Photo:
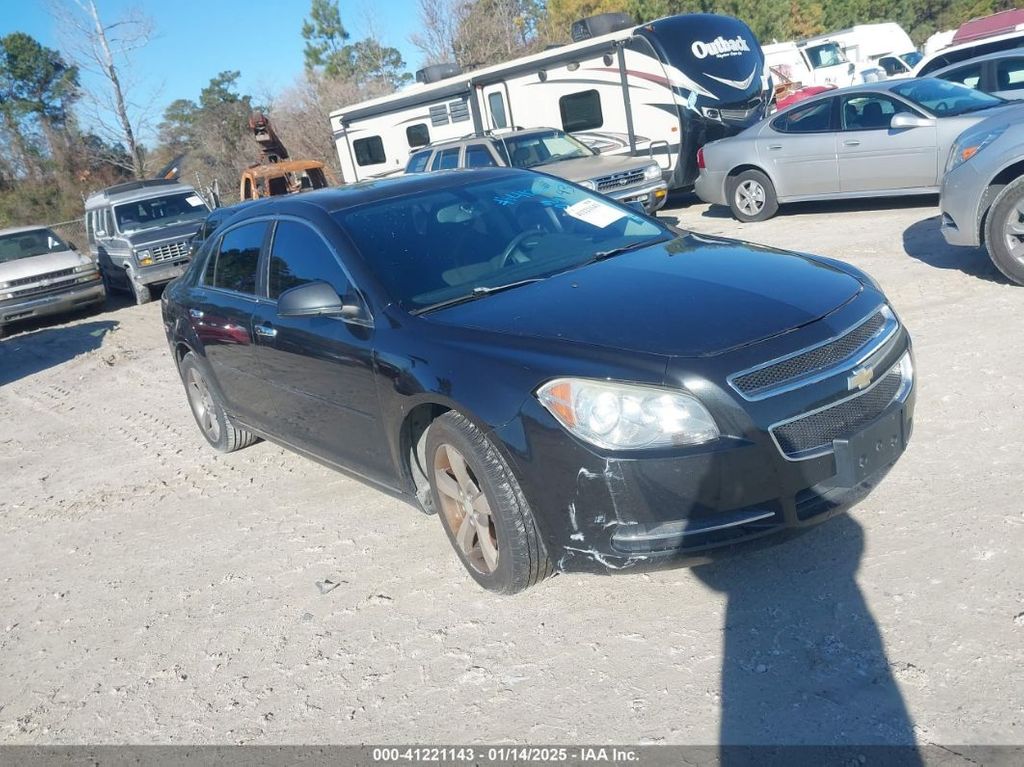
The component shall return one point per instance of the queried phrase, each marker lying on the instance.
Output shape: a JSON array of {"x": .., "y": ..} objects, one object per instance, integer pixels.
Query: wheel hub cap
[{"x": 466, "y": 509}]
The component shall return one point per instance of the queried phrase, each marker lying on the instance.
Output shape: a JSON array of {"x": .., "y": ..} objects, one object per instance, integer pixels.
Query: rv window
[
  {"x": 813, "y": 118},
  {"x": 417, "y": 135},
  {"x": 496, "y": 102},
  {"x": 479, "y": 156},
  {"x": 417, "y": 162},
  {"x": 369, "y": 151},
  {"x": 446, "y": 159},
  {"x": 581, "y": 111}
]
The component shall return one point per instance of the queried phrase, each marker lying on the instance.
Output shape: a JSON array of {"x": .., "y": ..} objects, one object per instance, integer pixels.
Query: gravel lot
[{"x": 154, "y": 591}]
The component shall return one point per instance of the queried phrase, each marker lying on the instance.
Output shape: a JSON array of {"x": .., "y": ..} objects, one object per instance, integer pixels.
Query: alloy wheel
[
  {"x": 201, "y": 400},
  {"x": 466, "y": 509},
  {"x": 750, "y": 197},
  {"x": 1013, "y": 231}
]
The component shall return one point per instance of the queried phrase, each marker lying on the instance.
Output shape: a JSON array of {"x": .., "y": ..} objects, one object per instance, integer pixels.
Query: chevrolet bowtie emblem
[{"x": 860, "y": 377}]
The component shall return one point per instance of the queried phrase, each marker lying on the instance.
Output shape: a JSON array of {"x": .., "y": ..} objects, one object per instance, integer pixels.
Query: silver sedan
[{"x": 873, "y": 140}]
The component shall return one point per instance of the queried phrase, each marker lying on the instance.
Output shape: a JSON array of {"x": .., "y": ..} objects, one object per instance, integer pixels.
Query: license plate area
[{"x": 869, "y": 451}]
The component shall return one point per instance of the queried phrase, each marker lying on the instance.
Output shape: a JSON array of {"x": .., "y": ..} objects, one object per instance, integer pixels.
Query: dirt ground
[{"x": 154, "y": 591}]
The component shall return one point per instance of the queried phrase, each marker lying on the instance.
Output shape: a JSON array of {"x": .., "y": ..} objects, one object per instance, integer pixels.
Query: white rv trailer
[{"x": 661, "y": 89}]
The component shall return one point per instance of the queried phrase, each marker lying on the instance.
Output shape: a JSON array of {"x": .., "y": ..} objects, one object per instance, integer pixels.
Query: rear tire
[
  {"x": 1004, "y": 232},
  {"x": 208, "y": 410},
  {"x": 482, "y": 509},
  {"x": 752, "y": 196}
]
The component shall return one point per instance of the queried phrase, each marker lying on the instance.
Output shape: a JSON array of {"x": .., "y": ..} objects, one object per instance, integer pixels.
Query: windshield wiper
[
  {"x": 603, "y": 254},
  {"x": 477, "y": 292}
]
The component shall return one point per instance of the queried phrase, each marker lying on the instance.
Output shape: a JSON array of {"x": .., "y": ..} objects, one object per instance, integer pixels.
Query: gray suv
[
  {"x": 624, "y": 178},
  {"x": 139, "y": 233},
  {"x": 983, "y": 193}
]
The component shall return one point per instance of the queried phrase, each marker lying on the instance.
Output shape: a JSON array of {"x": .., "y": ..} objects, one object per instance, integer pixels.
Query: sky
[{"x": 196, "y": 39}]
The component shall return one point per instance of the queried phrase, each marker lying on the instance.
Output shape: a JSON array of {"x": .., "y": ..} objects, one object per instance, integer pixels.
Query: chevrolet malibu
[{"x": 567, "y": 383}]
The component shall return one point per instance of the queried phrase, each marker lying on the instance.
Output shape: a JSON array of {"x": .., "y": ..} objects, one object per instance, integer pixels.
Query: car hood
[
  {"x": 691, "y": 296},
  {"x": 181, "y": 230},
  {"x": 584, "y": 168},
  {"x": 37, "y": 266}
]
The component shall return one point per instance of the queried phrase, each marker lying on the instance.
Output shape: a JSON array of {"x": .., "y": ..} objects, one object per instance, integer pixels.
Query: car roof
[
  {"x": 136, "y": 190},
  {"x": 976, "y": 43},
  {"x": 485, "y": 136},
  {"x": 1009, "y": 53},
  {"x": 22, "y": 229},
  {"x": 380, "y": 190}
]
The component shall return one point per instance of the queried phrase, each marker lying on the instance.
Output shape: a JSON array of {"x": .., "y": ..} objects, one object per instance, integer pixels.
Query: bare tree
[
  {"x": 105, "y": 50},
  {"x": 439, "y": 22}
]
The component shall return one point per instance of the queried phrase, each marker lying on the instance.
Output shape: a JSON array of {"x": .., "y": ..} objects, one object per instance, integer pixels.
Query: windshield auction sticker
[{"x": 595, "y": 213}]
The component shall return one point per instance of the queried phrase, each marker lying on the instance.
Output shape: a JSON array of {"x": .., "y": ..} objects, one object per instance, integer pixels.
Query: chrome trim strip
[
  {"x": 876, "y": 342},
  {"x": 901, "y": 396},
  {"x": 683, "y": 532}
]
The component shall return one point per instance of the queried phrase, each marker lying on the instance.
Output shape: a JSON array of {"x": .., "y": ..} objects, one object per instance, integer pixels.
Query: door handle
[
  {"x": 851, "y": 142},
  {"x": 266, "y": 331},
  {"x": 775, "y": 146},
  {"x": 196, "y": 314}
]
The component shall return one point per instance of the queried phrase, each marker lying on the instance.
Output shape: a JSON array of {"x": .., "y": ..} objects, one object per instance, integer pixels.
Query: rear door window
[
  {"x": 813, "y": 118},
  {"x": 1010, "y": 75},
  {"x": 417, "y": 162},
  {"x": 479, "y": 156},
  {"x": 235, "y": 265},
  {"x": 969, "y": 75},
  {"x": 446, "y": 159}
]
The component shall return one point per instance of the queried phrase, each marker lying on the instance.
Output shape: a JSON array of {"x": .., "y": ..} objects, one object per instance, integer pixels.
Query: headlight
[
  {"x": 621, "y": 416},
  {"x": 145, "y": 257},
  {"x": 589, "y": 185},
  {"x": 90, "y": 267},
  {"x": 906, "y": 368},
  {"x": 970, "y": 144},
  {"x": 652, "y": 172}
]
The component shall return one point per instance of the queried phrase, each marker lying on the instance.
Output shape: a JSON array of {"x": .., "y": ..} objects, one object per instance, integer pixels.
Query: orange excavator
[{"x": 275, "y": 173}]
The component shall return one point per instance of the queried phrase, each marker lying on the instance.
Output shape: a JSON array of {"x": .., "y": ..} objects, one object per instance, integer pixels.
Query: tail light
[{"x": 700, "y": 158}]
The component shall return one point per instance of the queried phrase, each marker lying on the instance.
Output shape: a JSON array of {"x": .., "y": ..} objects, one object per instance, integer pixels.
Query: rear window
[{"x": 446, "y": 159}]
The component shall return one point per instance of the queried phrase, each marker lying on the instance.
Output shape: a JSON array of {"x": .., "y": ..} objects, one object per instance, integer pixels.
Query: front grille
[
  {"x": 42, "y": 290},
  {"x": 817, "y": 430},
  {"x": 619, "y": 180},
  {"x": 40, "y": 277},
  {"x": 779, "y": 374},
  {"x": 169, "y": 251}
]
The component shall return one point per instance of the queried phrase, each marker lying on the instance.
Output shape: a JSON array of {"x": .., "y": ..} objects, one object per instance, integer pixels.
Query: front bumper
[
  {"x": 56, "y": 303},
  {"x": 653, "y": 196},
  {"x": 611, "y": 511},
  {"x": 710, "y": 187},
  {"x": 963, "y": 194},
  {"x": 157, "y": 274}
]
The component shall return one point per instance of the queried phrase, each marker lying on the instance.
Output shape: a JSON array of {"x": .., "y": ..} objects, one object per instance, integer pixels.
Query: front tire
[
  {"x": 208, "y": 410},
  {"x": 1004, "y": 231},
  {"x": 482, "y": 509},
  {"x": 752, "y": 196},
  {"x": 140, "y": 292}
]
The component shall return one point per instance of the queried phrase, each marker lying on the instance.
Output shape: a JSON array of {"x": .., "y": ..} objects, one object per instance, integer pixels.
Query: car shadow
[
  {"x": 923, "y": 240},
  {"x": 29, "y": 353},
  {"x": 803, "y": 659},
  {"x": 837, "y": 206}
]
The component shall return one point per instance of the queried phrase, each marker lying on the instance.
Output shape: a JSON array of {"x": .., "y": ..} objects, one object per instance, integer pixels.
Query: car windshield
[
  {"x": 35, "y": 242},
  {"x": 945, "y": 99},
  {"x": 457, "y": 243},
  {"x": 825, "y": 55},
  {"x": 912, "y": 59},
  {"x": 535, "y": 149},
  {"x": 157, "y": 211}
]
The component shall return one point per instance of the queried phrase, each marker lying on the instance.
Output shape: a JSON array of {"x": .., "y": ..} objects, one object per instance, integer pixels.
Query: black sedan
[{"x": 570, "y": 384}]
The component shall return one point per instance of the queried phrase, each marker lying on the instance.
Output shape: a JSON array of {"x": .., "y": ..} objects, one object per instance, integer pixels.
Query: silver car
[
  {"x": 873, "y": 140},
  {"x": 983, "y": 193},
  {"x": 40, "y": 274},
  {"x": 1000, "y": 73}
]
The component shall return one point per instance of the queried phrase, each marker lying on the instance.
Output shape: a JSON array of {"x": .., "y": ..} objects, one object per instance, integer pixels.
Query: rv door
[{"x": 496, "y": 107}]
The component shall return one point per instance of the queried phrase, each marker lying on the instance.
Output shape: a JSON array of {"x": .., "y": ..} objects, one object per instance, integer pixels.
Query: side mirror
[
  {"x": 903, "y": 120},
  {"x": 314, "y": 299}
]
